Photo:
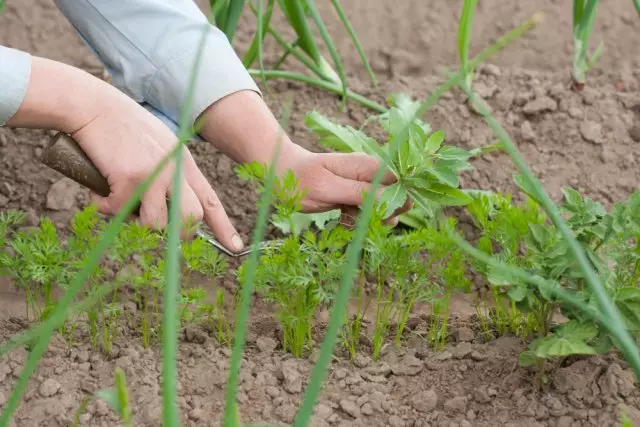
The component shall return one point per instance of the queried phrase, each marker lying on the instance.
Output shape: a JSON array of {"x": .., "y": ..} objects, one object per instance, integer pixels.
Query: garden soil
[{"x": 586, "y": 140}]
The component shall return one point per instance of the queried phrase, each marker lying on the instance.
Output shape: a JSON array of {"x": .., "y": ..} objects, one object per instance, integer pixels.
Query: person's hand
[
  {"x": 126, "y": 143},
  {"x": 338, "y": 181},
  {"x": 332, "y": 180}
]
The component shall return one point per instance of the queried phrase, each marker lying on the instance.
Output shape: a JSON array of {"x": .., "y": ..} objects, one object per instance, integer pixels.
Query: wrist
[
  {"x": 242, "y": 126},
  {"x": 59, "y": 97}
]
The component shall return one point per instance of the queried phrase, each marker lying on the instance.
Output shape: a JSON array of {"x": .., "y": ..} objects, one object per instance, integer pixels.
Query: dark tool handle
[{"x": 65, "y": 155}]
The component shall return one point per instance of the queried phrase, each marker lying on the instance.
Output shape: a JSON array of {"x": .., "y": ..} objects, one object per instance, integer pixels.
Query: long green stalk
[
  {"x": 583, "y": 17},
  {"x": 324, "y": 33},
  {"x": 234, "y": 11},
  {"x": 605, "y": 304},
  {"x": 242, "y": 317},
  {"x": 321, "y": 84},
  {"x": 354, "y": 38},
  {"x": 353, "y": 251},
  {"x": 171, "y": 322},
  {"x": 464, "y": 36},
  {"x": 263, "y": 21},
  {"x": 636, "y": 4}
]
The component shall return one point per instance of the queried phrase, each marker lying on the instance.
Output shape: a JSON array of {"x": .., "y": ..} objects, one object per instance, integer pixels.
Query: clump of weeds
[{"x": 301, "y": 273}]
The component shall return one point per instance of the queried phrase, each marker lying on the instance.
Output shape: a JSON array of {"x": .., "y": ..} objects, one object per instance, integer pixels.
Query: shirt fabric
[{"x": 149, "y": 48}]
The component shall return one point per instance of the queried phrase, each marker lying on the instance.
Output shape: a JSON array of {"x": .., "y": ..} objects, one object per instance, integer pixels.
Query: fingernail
[{"x": 237, "y": 243}]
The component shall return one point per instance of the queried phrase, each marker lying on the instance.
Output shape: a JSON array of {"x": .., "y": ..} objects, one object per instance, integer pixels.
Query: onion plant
[
  {"x": 584, "y": 14},
  {"x": 300, "y": 15}
]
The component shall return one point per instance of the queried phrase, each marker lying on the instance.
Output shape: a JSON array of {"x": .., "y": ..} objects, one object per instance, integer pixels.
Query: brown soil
[{"x": 588, "y": 141}]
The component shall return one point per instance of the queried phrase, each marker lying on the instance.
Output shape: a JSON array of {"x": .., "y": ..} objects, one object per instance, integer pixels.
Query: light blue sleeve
[
  {"x": 15, "y": 71},
  {"x": 149, "y": 48}
]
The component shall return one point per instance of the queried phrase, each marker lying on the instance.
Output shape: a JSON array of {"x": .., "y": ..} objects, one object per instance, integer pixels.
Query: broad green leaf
[
  {"x": 518, "y": 292},
  {"x": 570, "y": 339},
  {"x": 394, "y": 197},
  {"x": 527, "y": 358},
  {"x": 501, "y": 277}
]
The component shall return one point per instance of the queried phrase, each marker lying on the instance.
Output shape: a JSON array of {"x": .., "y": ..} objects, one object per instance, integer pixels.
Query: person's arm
[
  {"x": 15, "y": 69},
  {"x": 149, "y": 47}
]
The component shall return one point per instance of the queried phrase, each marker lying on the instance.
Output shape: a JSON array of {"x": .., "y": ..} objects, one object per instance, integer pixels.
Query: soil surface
[{"x": 586, "y": 140}]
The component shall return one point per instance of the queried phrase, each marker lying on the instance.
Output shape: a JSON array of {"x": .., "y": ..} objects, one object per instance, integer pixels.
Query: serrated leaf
[
  {"x": 336, "y": 136},
  {"x": 526, "y": 187},
  {"x": 434, "y": 142},
  {"x": 501, "y": 276},
  {"x": 394, "y": 197},
  {"x": 444, "y": 195},
  {"x": 628, "y": 302}
]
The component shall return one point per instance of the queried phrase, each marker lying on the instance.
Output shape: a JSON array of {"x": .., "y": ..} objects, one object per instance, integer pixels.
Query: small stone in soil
[
  {"x": 62, "y": 195},
  {"x": 266, "y": 344},
  {"x": 4, "y": 201},
  {"x": 49, "y": 388},
  {"x": 591, "y": 131}
]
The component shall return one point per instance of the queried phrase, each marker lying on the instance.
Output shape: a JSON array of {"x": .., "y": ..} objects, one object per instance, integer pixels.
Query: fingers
[
  {"x": 191, "y": 212},
  {"x": 214, "y": 213},
  {"x": 356, "y": 167}
]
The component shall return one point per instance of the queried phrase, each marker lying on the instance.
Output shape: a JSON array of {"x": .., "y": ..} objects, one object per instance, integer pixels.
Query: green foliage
[
  {"x": 520, "y": 235},
  {"x": 584, "y": 13},
  {"x": 426, "y": 170},
  {"x": 117, "y": 398}
]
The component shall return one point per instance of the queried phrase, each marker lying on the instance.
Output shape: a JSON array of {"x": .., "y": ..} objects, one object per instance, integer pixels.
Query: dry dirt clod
[
  {"x": 634, "y": 132},
  {"x": 361, "y": 361},
  {"x": 462, "y": 350},
  {"x": 465, "y": 334},
  {"x": 591, "y": 131},
  {"x": 4, "y": 201},
  {"x": 425, "y": 401},
  {"x": 350, "y": 408},
  {"x": 540, "y": 105},
  {"x": 49, "y": 388},
  {"x": 527, "y": 131},
  {"x": 266, "y": 344},
  {"x": 409, "y": 366},
  {"x": 457, "y": 404},
  {"x": 292, "y": 381}
]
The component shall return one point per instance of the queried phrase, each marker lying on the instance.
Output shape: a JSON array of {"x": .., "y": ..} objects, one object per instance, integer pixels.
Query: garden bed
[{"x": 585, "y": 140}]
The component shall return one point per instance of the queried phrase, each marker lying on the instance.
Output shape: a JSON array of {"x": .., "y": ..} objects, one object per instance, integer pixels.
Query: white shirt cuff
[{"x": 15, "y": 71}]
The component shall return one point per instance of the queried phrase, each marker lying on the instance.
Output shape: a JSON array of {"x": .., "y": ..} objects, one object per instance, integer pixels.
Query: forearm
[
  {"x": 57, "y": 97},
  {"x": 242, "y": 126}
]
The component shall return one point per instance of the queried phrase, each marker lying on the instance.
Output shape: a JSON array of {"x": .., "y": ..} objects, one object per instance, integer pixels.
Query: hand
[
  {"x": 332, "y": 180},
  {"x": 125, "y": 141},
  {"x": 338, "y": 181}
]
